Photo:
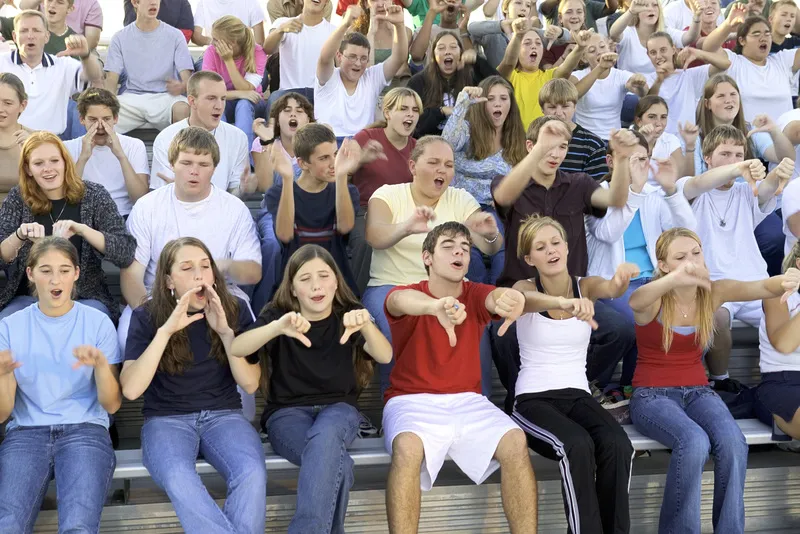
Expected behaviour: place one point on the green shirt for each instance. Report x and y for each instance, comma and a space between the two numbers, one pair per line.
57, 43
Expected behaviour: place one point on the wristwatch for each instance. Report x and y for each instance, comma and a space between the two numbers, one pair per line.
266, 143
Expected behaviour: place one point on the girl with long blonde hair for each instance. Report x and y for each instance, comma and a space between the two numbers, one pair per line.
51, 199
178, 356
318, 347
488, 139
673, 402
240, 61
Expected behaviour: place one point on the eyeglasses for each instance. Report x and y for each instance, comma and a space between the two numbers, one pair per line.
352, 58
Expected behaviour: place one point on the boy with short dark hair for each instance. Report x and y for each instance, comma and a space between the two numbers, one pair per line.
320, 206
56, 12
586, 151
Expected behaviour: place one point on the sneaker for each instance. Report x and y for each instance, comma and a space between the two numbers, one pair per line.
365, 427
791, 446
728, 385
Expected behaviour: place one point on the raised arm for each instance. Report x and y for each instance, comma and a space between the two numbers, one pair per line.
457, 129
714, 40
347, 163
626, 19
776, 286
331, 45
490, 8
605, 65
782, 146
570, 63
622, 143
486, 236
399, 55
382, 233
511, 57
420, 44
106, 376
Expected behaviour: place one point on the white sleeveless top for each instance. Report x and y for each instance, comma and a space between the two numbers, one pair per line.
552, 352
773, 361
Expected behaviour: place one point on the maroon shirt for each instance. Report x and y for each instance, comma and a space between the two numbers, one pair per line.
567, 201
393, 170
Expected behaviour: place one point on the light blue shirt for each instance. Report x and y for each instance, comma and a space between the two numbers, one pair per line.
636, 247
49, 391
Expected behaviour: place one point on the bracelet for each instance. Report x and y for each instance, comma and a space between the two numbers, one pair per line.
492, 240
16, 233
689, 151
266, 143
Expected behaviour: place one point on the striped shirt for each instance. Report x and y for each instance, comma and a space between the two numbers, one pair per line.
586, 153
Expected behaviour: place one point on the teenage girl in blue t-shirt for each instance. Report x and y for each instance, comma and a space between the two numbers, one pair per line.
178, 356
58, 382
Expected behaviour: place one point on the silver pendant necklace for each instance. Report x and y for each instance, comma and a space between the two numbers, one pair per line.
60, 214
722, 222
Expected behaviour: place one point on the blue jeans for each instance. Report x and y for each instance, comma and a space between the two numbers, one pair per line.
621, 305
227, 441
271, 258
693, 421
81, 460
477, 271
373, 300
316, 438
241, 114
770, 239
22, 302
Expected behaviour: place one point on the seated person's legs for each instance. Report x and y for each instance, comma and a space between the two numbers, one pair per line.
770, 239
778, 401
25, 457
131, 113
719, 354
16, 304
373, 300
614, 340
403, 494
317, 442
270, 262
84, 464
505, 353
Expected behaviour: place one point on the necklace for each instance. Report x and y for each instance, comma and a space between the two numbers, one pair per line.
560, 312
60, 214
722, 222
685, 314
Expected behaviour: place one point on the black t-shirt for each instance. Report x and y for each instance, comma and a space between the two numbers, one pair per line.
205, 385
176, 13
320, 375
60, 211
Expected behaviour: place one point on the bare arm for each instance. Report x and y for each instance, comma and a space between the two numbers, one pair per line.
616, 29
738, 291
8, 393
714, 40
490, 8
92, 34
198, 38
782, 329
381, 233
793, 222
247, 375
284, 218
258, 32
419, 46
132, 284
570, 63
242, 272
711, 179
617, 194
109, 394
345, 215
410, 302
137, 374
399, 55
112, 82
325, 64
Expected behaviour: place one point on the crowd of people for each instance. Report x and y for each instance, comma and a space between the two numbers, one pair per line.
563, 189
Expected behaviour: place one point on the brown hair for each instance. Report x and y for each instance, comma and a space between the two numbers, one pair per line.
309, 137
558, 91
95, 96
447, 229
791, 258
46, 244
355, 39
32, 194
436, 85
532, 134
343, 301
723, 133
178, 355
704, 331
705, 118
481, 131
645, 103
282, 101
235, 30
196, 140
11, 80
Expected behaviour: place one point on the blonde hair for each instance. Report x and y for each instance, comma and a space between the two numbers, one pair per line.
234, 30
392, 101
558, 92
791, 259
659, 24
32, 194
704, 329
530, 227
724, 133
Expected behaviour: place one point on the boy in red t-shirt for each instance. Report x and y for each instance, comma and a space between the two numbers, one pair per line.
434, 404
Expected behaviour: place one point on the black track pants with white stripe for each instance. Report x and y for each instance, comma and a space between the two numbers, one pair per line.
594, 455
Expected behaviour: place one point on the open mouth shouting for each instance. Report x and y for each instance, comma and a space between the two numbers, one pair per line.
56, 293
449, 62
408, 124
457, 265
438, 183
293, 124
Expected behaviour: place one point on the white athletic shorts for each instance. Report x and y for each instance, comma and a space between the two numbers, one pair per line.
747, 312
146, 111
467, 427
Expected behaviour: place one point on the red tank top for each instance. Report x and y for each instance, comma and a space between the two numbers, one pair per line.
681, 366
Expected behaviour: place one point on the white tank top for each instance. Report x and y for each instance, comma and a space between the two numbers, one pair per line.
771, 360
552, 352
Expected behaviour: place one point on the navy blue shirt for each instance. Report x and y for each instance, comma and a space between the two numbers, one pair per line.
204, 385
176, 13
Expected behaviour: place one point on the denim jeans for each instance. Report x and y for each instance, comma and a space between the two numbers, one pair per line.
81, 460
22, 302
271, 259
477, 271
241, 114
770, 239
316, 438
620, 304
227, 441
693, 421
373, 300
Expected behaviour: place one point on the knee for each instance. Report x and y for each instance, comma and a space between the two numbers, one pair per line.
722, 325
580, 445
732, 445
692, 446
616, 442
513, 448
407, 451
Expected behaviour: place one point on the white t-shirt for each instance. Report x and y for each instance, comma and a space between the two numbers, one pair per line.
766, 89
349, 114
771, 360
599, 109
221, 221
682, 90
679, 17
790, 205
300, 52
783, 121
633, 56
207, 12
233, 155
731, 251
103, 167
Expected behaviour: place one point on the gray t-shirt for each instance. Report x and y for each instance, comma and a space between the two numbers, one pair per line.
149, 59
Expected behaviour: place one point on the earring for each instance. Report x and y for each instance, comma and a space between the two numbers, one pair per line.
172, 292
